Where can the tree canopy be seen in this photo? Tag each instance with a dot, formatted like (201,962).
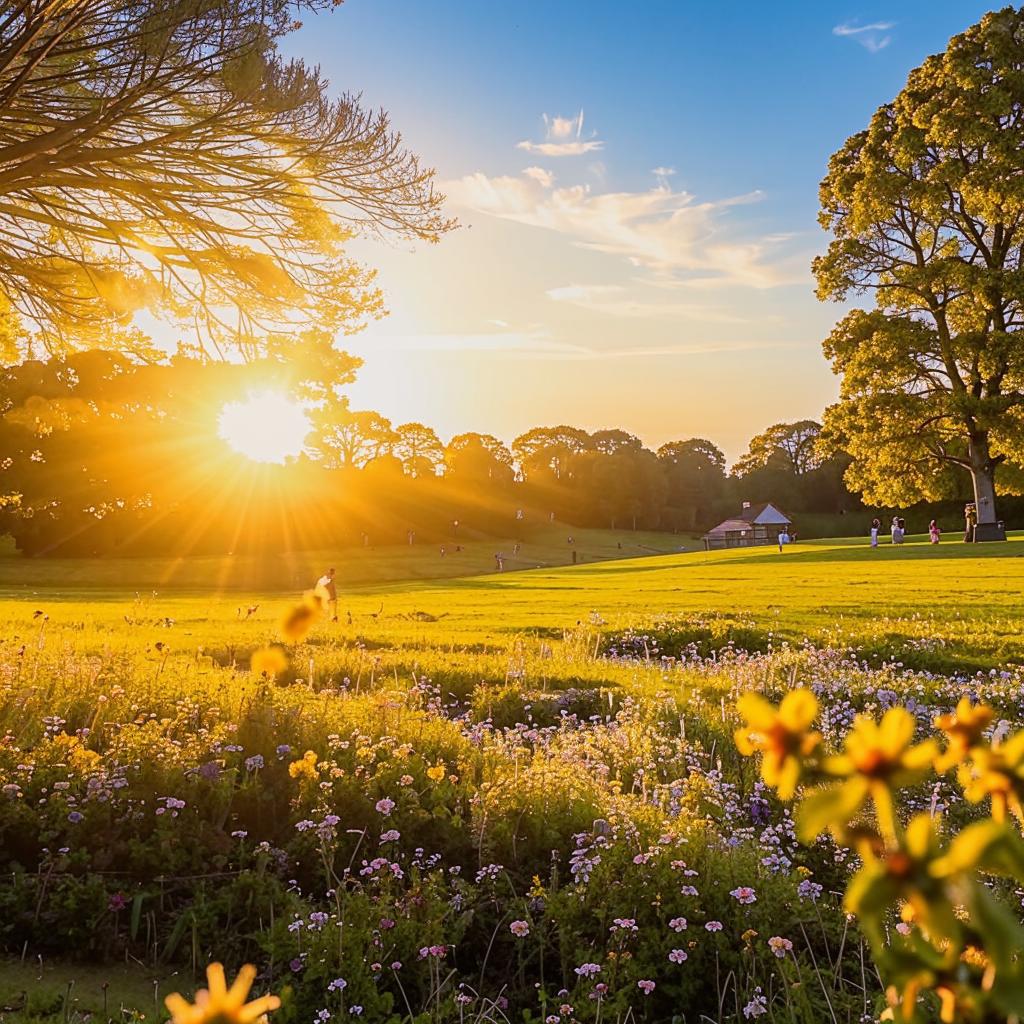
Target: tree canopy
(926,207)
(163,155)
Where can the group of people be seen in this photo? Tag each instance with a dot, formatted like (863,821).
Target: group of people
(898,529)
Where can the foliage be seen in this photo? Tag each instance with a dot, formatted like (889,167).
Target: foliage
(104,451)
(926,210)
(166,156)
(790,445)
(955,940)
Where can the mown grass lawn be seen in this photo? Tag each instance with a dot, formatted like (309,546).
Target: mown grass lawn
(954,604)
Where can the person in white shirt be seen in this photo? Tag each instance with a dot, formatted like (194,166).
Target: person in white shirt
(328,592)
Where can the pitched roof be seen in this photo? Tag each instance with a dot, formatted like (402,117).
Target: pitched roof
(729,526)
(752,514)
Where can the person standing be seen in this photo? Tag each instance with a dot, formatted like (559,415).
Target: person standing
(897,533)
(934,533)
(876,525)
(328,593)
(970,521)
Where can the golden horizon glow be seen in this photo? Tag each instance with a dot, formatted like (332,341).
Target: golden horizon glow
(267,426)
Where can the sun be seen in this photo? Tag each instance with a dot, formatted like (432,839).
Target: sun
(267,427)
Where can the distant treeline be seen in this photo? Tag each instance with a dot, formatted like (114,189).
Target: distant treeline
(102,454)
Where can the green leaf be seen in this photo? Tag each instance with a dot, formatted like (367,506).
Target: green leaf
(990,846)
(133,928)
(828,806)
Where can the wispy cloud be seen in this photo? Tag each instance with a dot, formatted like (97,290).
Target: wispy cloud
(563,136)
(665,232)
(617,300)
(873,37)
(537,343)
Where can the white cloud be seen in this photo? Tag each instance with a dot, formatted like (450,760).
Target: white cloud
(872,37)
(543,177)
(563,136)
(667,233)
(560,128)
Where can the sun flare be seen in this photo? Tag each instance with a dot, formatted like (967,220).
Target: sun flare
(267,426)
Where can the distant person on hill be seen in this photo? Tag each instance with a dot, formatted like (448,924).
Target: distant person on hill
(934,533)
(443,552)
(876,525)
(903,528)
(783,538)
(328,593)
(896,530)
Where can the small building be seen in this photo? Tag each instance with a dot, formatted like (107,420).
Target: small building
(756,524)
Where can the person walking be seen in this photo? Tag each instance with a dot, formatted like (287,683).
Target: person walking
(328,593)
(876,525)
(934,533)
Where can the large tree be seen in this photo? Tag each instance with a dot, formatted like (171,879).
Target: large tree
(547,453)
(343,438)
(695,474)
(419,448)
(789,446)
(927,210)
(478,458)
(162,154)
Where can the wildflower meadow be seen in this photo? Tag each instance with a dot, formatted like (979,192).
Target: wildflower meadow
(408,820)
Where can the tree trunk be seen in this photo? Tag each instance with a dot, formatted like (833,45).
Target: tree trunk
(983,472)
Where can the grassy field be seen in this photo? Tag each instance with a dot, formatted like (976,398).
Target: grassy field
(466,554)
(506,717)
(951,605)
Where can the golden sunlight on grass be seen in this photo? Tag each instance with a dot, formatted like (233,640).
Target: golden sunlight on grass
(267,427)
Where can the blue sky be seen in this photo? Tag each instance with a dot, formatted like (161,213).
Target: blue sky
(639,189)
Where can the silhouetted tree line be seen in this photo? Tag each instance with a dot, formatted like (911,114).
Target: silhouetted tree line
(104,454)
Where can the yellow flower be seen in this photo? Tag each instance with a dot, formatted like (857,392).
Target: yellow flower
(884,751)
(268,661)
(219,1004)
(997,773)
(876,756)
(301,618)
(975,957)
(783,736)
(305,767)
(964,729)
(911,875)
(436,773)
